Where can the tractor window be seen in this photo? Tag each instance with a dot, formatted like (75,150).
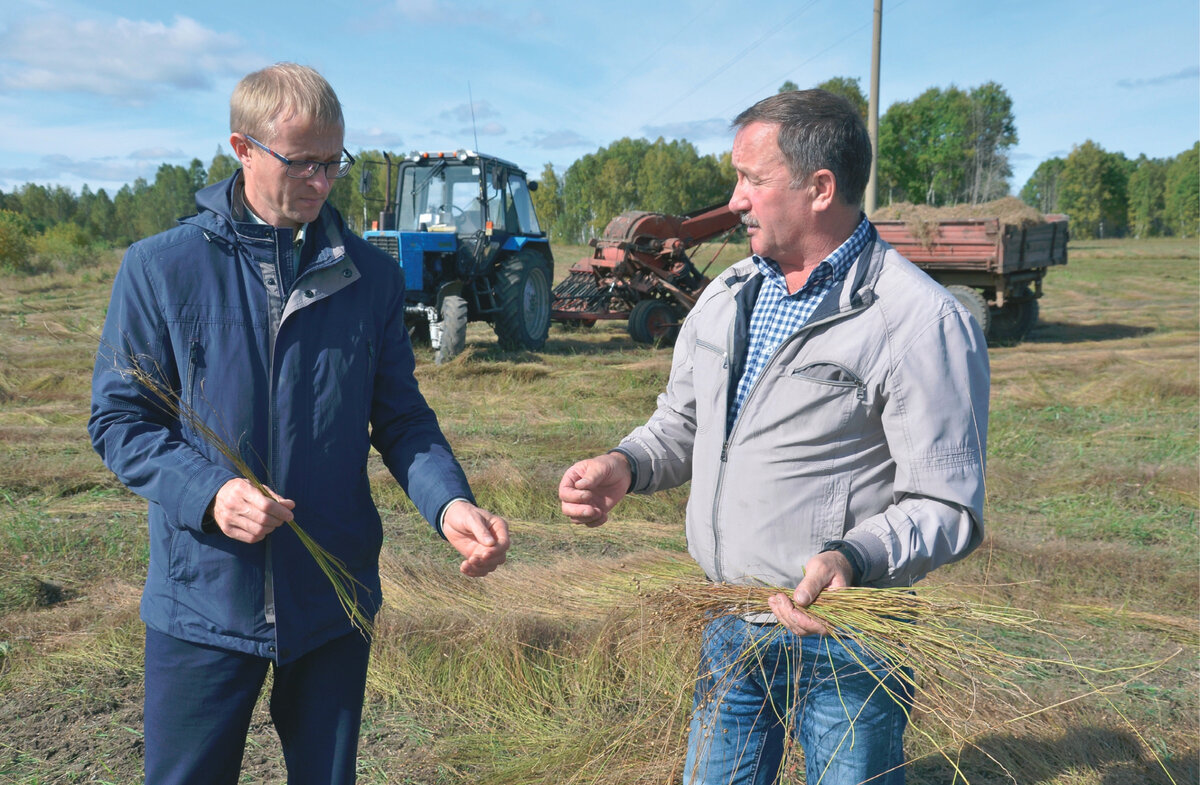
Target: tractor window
(497,199)
(523,205)
(421,191)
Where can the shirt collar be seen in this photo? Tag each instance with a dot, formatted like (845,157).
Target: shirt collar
(242,211)
(833,267)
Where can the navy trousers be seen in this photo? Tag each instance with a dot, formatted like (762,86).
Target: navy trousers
(199,701)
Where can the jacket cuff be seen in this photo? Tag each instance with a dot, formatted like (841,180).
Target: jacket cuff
(633,467)
(871,551)
(437,524)
(638,458)
(198,495)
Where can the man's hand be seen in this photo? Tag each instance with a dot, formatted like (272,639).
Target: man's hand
(828,570)
(480,536)
(591,488)
(245,515)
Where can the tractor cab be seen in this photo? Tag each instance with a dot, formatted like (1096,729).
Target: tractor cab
(463,228)
(464,194)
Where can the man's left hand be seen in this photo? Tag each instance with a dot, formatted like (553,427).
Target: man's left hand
(827,570)
(480,536)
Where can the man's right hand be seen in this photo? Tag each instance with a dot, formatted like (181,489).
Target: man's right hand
(245,514)
(591,488)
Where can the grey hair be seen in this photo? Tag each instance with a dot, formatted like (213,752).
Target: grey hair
(817,130)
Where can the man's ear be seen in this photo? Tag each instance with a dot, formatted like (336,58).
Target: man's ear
(241,148)
(824,189)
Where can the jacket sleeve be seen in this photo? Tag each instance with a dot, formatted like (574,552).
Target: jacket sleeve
(935,421)
(404,429)
(661,450)
(135,436)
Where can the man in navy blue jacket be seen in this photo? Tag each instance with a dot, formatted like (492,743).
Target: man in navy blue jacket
(284,333)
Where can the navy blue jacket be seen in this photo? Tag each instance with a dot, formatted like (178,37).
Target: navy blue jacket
(302,364)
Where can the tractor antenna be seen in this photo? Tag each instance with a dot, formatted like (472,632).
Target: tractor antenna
(474,131)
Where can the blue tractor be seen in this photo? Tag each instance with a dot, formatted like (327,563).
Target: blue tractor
(463,228)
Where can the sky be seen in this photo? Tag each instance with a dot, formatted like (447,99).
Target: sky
(104,92)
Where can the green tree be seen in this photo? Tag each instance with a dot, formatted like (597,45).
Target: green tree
(16,245)
(1041,190)
(1147,190)
(222,166)
(633,174)
(947,146)
(787,87)
(547,200)
(1093,191)
(924,148)
(993,131)
(850,90)
(1181,201)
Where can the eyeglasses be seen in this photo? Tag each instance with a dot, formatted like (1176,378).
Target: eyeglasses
(302,170)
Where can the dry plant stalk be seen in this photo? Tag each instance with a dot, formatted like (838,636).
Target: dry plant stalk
(344,584)
(924,634)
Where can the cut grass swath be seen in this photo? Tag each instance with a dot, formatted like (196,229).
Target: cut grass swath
(344,584)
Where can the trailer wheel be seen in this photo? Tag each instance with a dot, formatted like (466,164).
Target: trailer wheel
(973,301)
(523,289)
(1013,322)
(454,329)
(653,322)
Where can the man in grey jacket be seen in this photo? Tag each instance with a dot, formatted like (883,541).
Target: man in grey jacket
(828,402)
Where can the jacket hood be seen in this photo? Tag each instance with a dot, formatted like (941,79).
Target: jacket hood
(214,209)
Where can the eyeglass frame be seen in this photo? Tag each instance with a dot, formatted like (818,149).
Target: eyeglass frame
(316,165)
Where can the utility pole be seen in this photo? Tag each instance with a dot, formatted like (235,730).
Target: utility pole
(873,112)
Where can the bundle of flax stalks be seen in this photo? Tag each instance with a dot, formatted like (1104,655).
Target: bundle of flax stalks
(931,637)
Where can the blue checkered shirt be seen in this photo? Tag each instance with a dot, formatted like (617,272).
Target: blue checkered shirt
(778,314)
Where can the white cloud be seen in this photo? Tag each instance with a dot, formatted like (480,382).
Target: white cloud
(1178,76)
(554,140)
(124,59)
(373,139)
(156,154)
(713,128)
(487,129)
(462,112)
(109,173)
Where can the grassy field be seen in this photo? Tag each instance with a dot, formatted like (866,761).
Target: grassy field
(557,669)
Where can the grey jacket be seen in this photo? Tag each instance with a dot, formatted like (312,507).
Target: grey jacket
(867,425)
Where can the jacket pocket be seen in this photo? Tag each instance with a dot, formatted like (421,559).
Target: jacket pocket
(833,375)
(710,367)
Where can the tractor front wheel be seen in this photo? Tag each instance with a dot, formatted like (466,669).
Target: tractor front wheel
(454,329)
(523,289)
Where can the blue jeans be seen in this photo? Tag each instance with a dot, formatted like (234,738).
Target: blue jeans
(760,685)
(199,702)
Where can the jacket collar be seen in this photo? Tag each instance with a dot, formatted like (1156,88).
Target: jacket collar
(216,210)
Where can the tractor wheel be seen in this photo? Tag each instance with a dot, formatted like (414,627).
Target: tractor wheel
(1013,322)
(654,322)
(523,289)
(974,302)
(454,329)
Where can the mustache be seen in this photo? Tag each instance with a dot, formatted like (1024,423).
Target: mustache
(747,220)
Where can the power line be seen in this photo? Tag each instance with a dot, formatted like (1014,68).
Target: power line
(742,103)
(729,63)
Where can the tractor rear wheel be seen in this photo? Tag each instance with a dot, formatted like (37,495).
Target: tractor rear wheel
(974,302)
(523,289)
(653,322)
(454,329)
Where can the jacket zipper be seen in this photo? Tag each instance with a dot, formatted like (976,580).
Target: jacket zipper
(749,396)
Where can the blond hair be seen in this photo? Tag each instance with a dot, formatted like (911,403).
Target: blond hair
(280,92)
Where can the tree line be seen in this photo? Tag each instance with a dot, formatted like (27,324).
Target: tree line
(946,146)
